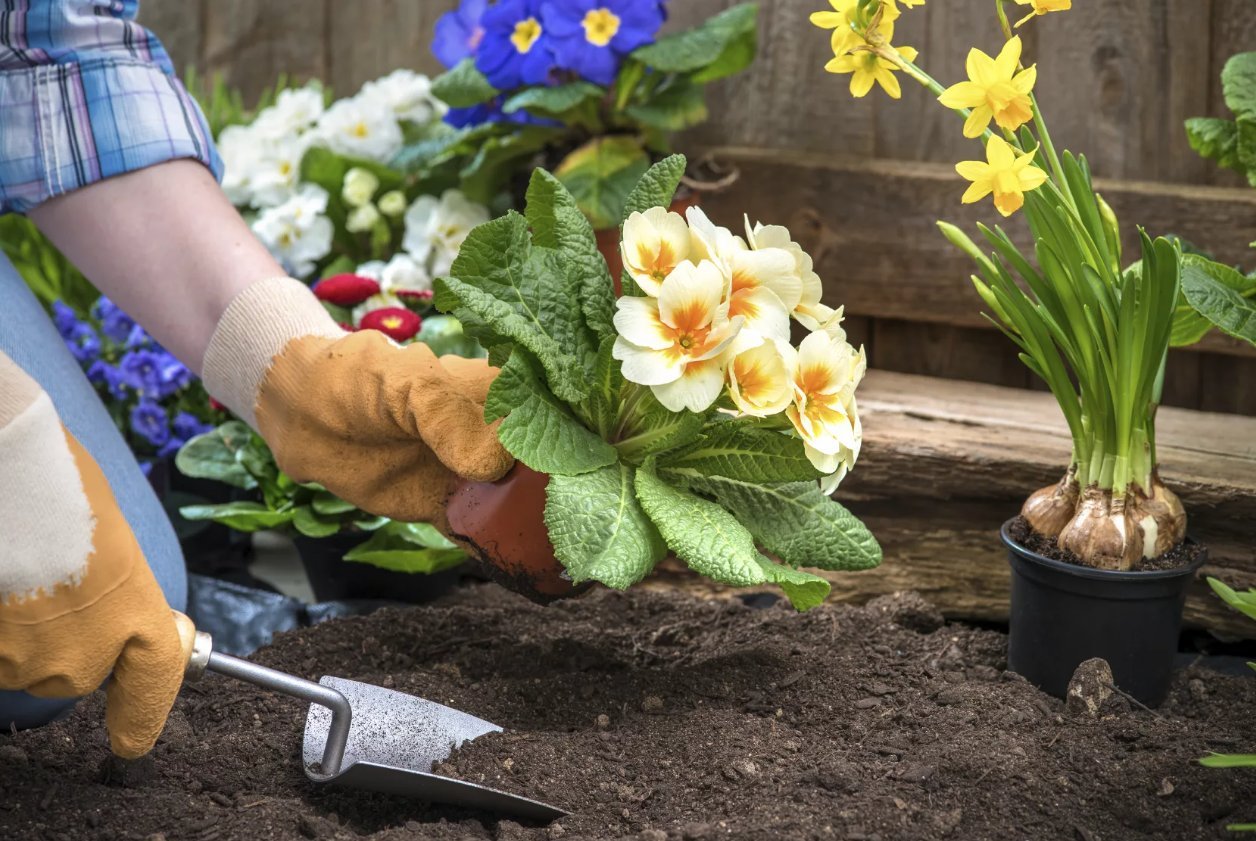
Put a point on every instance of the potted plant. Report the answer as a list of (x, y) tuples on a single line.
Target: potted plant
[(586, 90), (1100, 560), (677, 419)]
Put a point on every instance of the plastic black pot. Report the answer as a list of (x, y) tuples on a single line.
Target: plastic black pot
[(334, 579), (1063, 614)]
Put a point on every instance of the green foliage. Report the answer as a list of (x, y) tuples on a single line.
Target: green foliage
[(722, 46), (601, 174), (1222, 295), (1231, 143), (1245, 603), (621, 466), (658, 187), (463, 86), (407, 547)]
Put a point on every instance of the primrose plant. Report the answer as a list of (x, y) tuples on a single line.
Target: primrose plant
[(679, 418)]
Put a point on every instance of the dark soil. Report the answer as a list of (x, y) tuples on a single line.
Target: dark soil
[(663, 718), (1185, 554)]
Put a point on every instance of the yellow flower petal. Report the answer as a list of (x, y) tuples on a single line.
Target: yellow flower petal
[(1009, 203), (889, 82), (908, 53), (1000, 154), (973, 170), (1031, 178), (977, 121), (963, 95), (828, 20), (977, 191), (1009, 58), (862, 82), (980, 68), (1024, 80)]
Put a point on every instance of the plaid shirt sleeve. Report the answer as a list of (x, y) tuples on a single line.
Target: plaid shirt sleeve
[(87, 93)]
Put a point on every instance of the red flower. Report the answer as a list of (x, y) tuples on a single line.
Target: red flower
[(345, 290), (397, 323), (414, 294), (216, 406)]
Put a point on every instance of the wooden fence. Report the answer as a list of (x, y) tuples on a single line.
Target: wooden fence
[(860, 182)]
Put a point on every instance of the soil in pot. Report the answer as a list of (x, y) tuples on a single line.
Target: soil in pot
[(658, 717)]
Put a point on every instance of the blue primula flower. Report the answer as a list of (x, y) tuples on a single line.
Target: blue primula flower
[(515, 50), (141, 370), (65, 318), (172, 374), (83, 343), (591, 37), (102, 373), (491, 112), (187, 425), (137, 338), (114, 323), (149, 421), (171, 447), (458, 33)]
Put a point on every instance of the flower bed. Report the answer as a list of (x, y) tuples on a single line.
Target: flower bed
[(661, 718)]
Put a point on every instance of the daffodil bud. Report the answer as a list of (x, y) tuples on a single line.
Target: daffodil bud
[(392, 203), (360, 185), (1112, 228), (362, 219)]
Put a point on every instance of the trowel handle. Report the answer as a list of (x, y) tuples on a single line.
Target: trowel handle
[(204, 657)]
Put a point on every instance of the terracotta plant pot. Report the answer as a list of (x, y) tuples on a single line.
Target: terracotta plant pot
[(608, 239), (502, 525)]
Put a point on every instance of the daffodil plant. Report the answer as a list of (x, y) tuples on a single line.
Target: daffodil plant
[(1097, 334), (678, 418)]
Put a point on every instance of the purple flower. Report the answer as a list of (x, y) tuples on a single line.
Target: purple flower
[(491, 112), (142, 370), (65, 318), (149, 421), (591, 37), (83, 343), (102, 373), (458, 33), (173, 374), (114, 323), (146, 467), (137, 338), (515, 50), (187, 425), (171, 447)]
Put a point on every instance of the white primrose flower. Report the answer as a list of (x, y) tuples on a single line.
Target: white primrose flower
[(277, 171), (360, 128), (392, 203), (404, 275), (359, 186), (297, 232), (241, 159), (654, 243), (824, 413), (808, 311), (373, 269), (760, 379), (362, 219), (436, 229), (678, 343), (295, 111), (408, 95)]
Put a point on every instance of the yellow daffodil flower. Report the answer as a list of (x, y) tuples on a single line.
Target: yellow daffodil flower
[(1042, 7), (844, 37), (892, 5), (677, 343), (867, 68), (994, 90), (759, 379), (1005, 174), (655, 243), (823, 412)]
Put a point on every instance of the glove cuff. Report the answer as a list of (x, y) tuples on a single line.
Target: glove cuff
[(257, 325)]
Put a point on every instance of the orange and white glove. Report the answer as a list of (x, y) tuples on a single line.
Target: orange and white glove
[(389, 429), (77, 599)]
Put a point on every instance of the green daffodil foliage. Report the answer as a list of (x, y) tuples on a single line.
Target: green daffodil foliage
[(735, 498)]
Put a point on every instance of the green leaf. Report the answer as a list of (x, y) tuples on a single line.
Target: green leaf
[(1238, 84), (598, 529), (703, 47), (657, 188), (517, 381), (463, 86), (1229, 760), (445, 336), (554, 101), (1215, 139), (395, 548), (675, 108), (602, 405), (797, 523), (241, 516), (741, 451), (325, 168), (497, 160), (804, 590), (215, 455), (1220, 294), (310, 524), (548, 439), (656, 429), (1244, 602), (425, 535), (329, 505), (601, 174)]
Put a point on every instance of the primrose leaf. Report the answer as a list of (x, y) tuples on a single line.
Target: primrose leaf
[(548, 439), (797, 523), (463, 86), (329, 505), (602, 404), (678, 107), (1238, 84), (598, 529), (241, 516), (495, 160), (1222, 295), (554, 101), (215, 455), (407, 547), (804, 589), (657, 188), (706, 46), (601, 174), (1215, 139), (310, 524), (740, 451), (657, 429), (518, 380), (558, 223)]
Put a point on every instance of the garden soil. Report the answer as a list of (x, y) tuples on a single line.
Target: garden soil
[(664, 718)]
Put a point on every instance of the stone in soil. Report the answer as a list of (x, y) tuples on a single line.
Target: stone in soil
[(653, 717)]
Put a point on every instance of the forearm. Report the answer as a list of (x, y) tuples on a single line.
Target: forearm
[(163, 243)]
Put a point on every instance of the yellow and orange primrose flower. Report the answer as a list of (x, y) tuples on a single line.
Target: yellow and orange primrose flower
[(994, 90), (677, 343), (867, 68), (1008, 175), (1042, 7), (824, 413), (759, 379), (655, 242), (808, 311)]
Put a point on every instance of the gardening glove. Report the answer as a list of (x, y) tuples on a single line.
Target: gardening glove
[(77, 599), (389, 429)]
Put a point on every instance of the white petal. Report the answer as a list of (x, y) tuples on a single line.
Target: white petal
[(696, 390), (772, 268), (647, 367), (691, 292), (763, 311), (637, 321)]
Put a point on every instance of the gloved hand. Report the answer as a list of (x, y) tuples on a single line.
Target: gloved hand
[(387, 428), (77, 599)]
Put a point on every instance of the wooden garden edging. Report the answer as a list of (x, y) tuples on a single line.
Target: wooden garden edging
[(945, 462)]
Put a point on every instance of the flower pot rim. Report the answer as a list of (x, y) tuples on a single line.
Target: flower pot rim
[(1113, 575)]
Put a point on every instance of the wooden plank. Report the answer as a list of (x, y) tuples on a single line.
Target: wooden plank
[(870, 224), (941, 350), (179, 26), (253, 42), (390, 34), (945, 463)]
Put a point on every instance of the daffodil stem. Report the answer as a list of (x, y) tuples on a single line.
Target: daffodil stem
[(1044, 137)]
